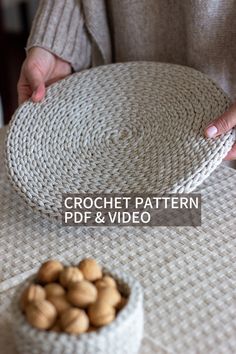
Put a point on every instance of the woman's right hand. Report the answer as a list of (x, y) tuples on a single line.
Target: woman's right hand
[(40, 69)]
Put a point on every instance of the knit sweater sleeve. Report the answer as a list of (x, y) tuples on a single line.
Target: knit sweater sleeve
[(59, 27)]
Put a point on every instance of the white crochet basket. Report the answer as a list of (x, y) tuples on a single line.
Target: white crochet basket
[(122, 336), (130, 128)]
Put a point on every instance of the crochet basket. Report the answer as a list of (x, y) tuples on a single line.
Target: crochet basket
[(122, 336), (130, 128)]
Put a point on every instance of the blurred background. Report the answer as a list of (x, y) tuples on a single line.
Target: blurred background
[(15, 22)]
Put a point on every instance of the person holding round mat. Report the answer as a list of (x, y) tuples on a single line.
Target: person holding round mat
[(73, 35)]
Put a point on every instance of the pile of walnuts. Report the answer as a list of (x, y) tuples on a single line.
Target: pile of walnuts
[(74, 299)]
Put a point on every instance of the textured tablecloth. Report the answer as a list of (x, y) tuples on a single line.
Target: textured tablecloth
[(188, 274)]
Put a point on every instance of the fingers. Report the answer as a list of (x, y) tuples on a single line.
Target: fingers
[(24, 91), (40, 69), (36, 82), (231, 154), (30, 85), (39, 93), (33, 76), (222, 124)]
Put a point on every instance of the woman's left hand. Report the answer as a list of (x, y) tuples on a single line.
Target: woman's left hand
[(222, 125)]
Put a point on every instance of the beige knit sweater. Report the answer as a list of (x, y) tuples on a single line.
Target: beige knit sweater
[(197, 33)]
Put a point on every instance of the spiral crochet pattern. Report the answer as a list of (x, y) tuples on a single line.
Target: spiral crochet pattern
[(122, 336), (132, 127)]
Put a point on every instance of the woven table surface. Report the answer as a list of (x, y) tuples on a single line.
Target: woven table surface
[(188, 274), (119, 128)]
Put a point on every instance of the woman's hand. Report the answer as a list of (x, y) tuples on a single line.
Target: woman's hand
[(222, 125), (40, 69)]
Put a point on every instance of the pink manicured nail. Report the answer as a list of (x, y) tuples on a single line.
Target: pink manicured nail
[(211, 131), (34, 96)]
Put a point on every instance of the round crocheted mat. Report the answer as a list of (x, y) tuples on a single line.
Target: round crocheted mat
[(132, 127)]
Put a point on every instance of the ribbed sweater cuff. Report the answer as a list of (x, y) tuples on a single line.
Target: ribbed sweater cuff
[(59, 27)]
